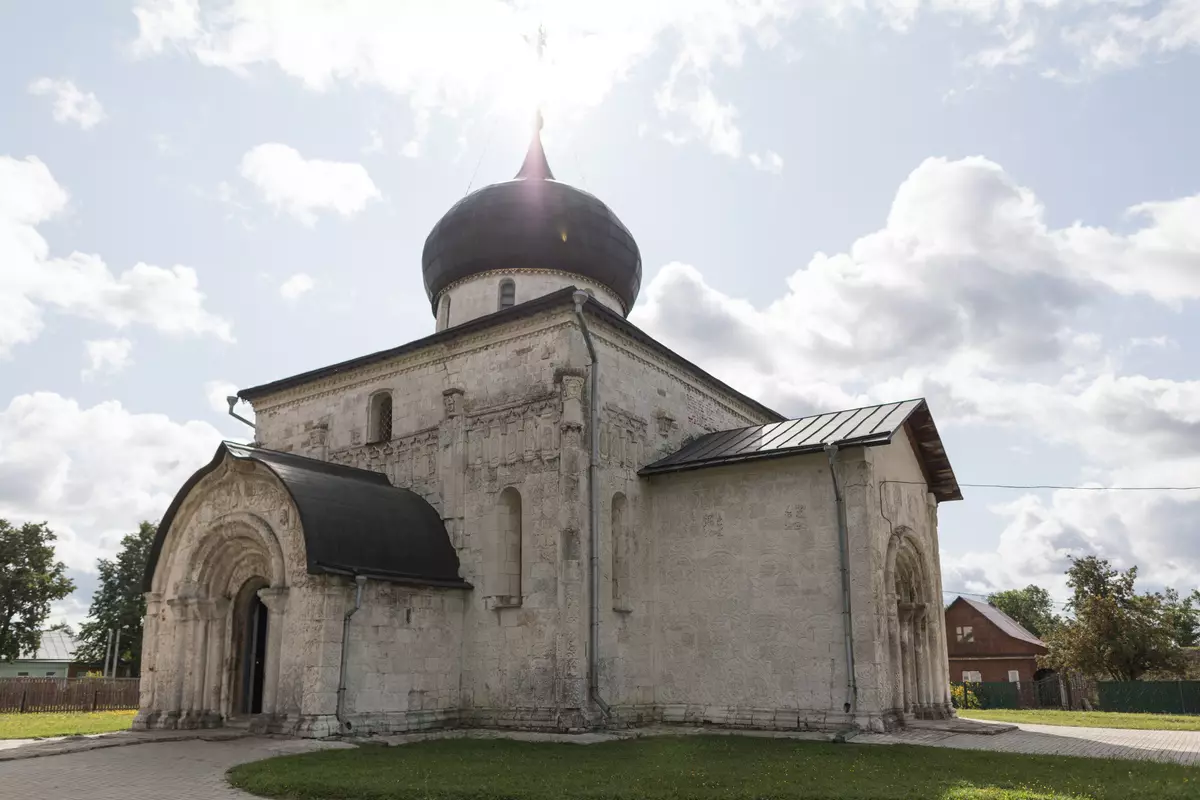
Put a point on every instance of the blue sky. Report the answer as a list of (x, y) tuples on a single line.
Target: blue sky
[(836, 204)]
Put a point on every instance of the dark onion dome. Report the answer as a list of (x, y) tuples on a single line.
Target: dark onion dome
[(532, 222)]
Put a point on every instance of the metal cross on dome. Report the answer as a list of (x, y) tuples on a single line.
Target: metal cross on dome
[(540, 47)]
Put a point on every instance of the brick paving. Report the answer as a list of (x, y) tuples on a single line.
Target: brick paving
[(178, 770), (1182, 747)]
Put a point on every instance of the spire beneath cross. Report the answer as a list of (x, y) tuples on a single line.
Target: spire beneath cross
[(536, 166)]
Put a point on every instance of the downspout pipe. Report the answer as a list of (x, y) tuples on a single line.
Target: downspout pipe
[(831, 450), (593, 510), (233, 401), (343, 725)]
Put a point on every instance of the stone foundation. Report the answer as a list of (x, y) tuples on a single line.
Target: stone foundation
[(548, 720)]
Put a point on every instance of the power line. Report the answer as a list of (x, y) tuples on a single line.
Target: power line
[(1062, 603), (1080, 488), (1062, 486)]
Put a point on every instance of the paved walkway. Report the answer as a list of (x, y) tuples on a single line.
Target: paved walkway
[(1179, 746), (126, 767), (174, 769)]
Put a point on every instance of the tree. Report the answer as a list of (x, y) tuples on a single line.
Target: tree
[(1183, 617), (1030, 606), (30, 580), (1116, 633), (118, 603)]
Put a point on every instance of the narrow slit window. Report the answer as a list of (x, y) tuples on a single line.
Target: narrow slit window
[(508, 293), (381, 417)]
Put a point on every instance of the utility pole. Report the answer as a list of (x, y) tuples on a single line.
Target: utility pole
[(107, 654), (116, 653)]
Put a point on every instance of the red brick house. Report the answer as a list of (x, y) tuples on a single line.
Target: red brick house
[(986, 645)]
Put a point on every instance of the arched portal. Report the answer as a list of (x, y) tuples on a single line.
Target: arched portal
[(914, 630), (251, 629)]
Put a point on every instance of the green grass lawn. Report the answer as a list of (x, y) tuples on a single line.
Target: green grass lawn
[(703, 767), (35, 726), (1087, 719)]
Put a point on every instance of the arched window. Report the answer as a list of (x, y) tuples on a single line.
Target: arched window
[(446, 312), (620, 553), (508, 293), (380, 417), (505, 558)]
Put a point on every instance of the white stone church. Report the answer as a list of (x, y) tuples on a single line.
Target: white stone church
[(539, 517)]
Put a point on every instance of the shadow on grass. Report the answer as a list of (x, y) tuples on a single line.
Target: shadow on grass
[(662, 768)]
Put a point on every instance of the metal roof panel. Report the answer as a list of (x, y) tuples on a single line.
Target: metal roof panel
[(865, 427)]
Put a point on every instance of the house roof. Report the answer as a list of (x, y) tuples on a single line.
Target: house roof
[(354, 521), (562, 297), (55, 646), (858, 427), (1003, 621)]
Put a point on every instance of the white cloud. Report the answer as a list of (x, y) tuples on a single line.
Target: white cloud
[(967, 296), (81, 284), (165, 21), (106, 357), (447, 56), (770, 162), (298, 284), (303, 187), (217, 391), (70, 104), (1014, 52), (92, 473)]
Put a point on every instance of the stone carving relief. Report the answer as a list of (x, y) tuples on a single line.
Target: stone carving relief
[(622, 438), (513, 433), (406, 461), (452, 401)]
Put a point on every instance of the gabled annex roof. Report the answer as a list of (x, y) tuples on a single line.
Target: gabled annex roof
[(1004, 622), (354, 521), (857, 427)]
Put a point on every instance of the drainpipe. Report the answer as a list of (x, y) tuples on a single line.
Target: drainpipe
[(831, 451), (233, 401), (593, 511), (344, 726)]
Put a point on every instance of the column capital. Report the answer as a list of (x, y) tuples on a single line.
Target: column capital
[(183, 607), (274, 598), (212, 608)]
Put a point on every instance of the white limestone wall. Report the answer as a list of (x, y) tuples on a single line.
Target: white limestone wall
[(472, 418), (650, 407), (403, 667), (479, 295), (747, 597)]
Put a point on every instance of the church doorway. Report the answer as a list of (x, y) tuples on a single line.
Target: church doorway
[(250, 647)]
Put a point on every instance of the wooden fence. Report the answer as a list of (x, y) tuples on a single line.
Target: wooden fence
[(26, 695)]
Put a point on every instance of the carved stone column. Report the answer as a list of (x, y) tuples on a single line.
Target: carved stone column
[(275, 599), (181, 613), (150, 659), (573, 549), (214, 671), (920, 660), (906, 656), (896, 681), (198, 659)]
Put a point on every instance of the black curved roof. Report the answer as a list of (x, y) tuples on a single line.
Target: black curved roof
[(354, 521), (532, 222)]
